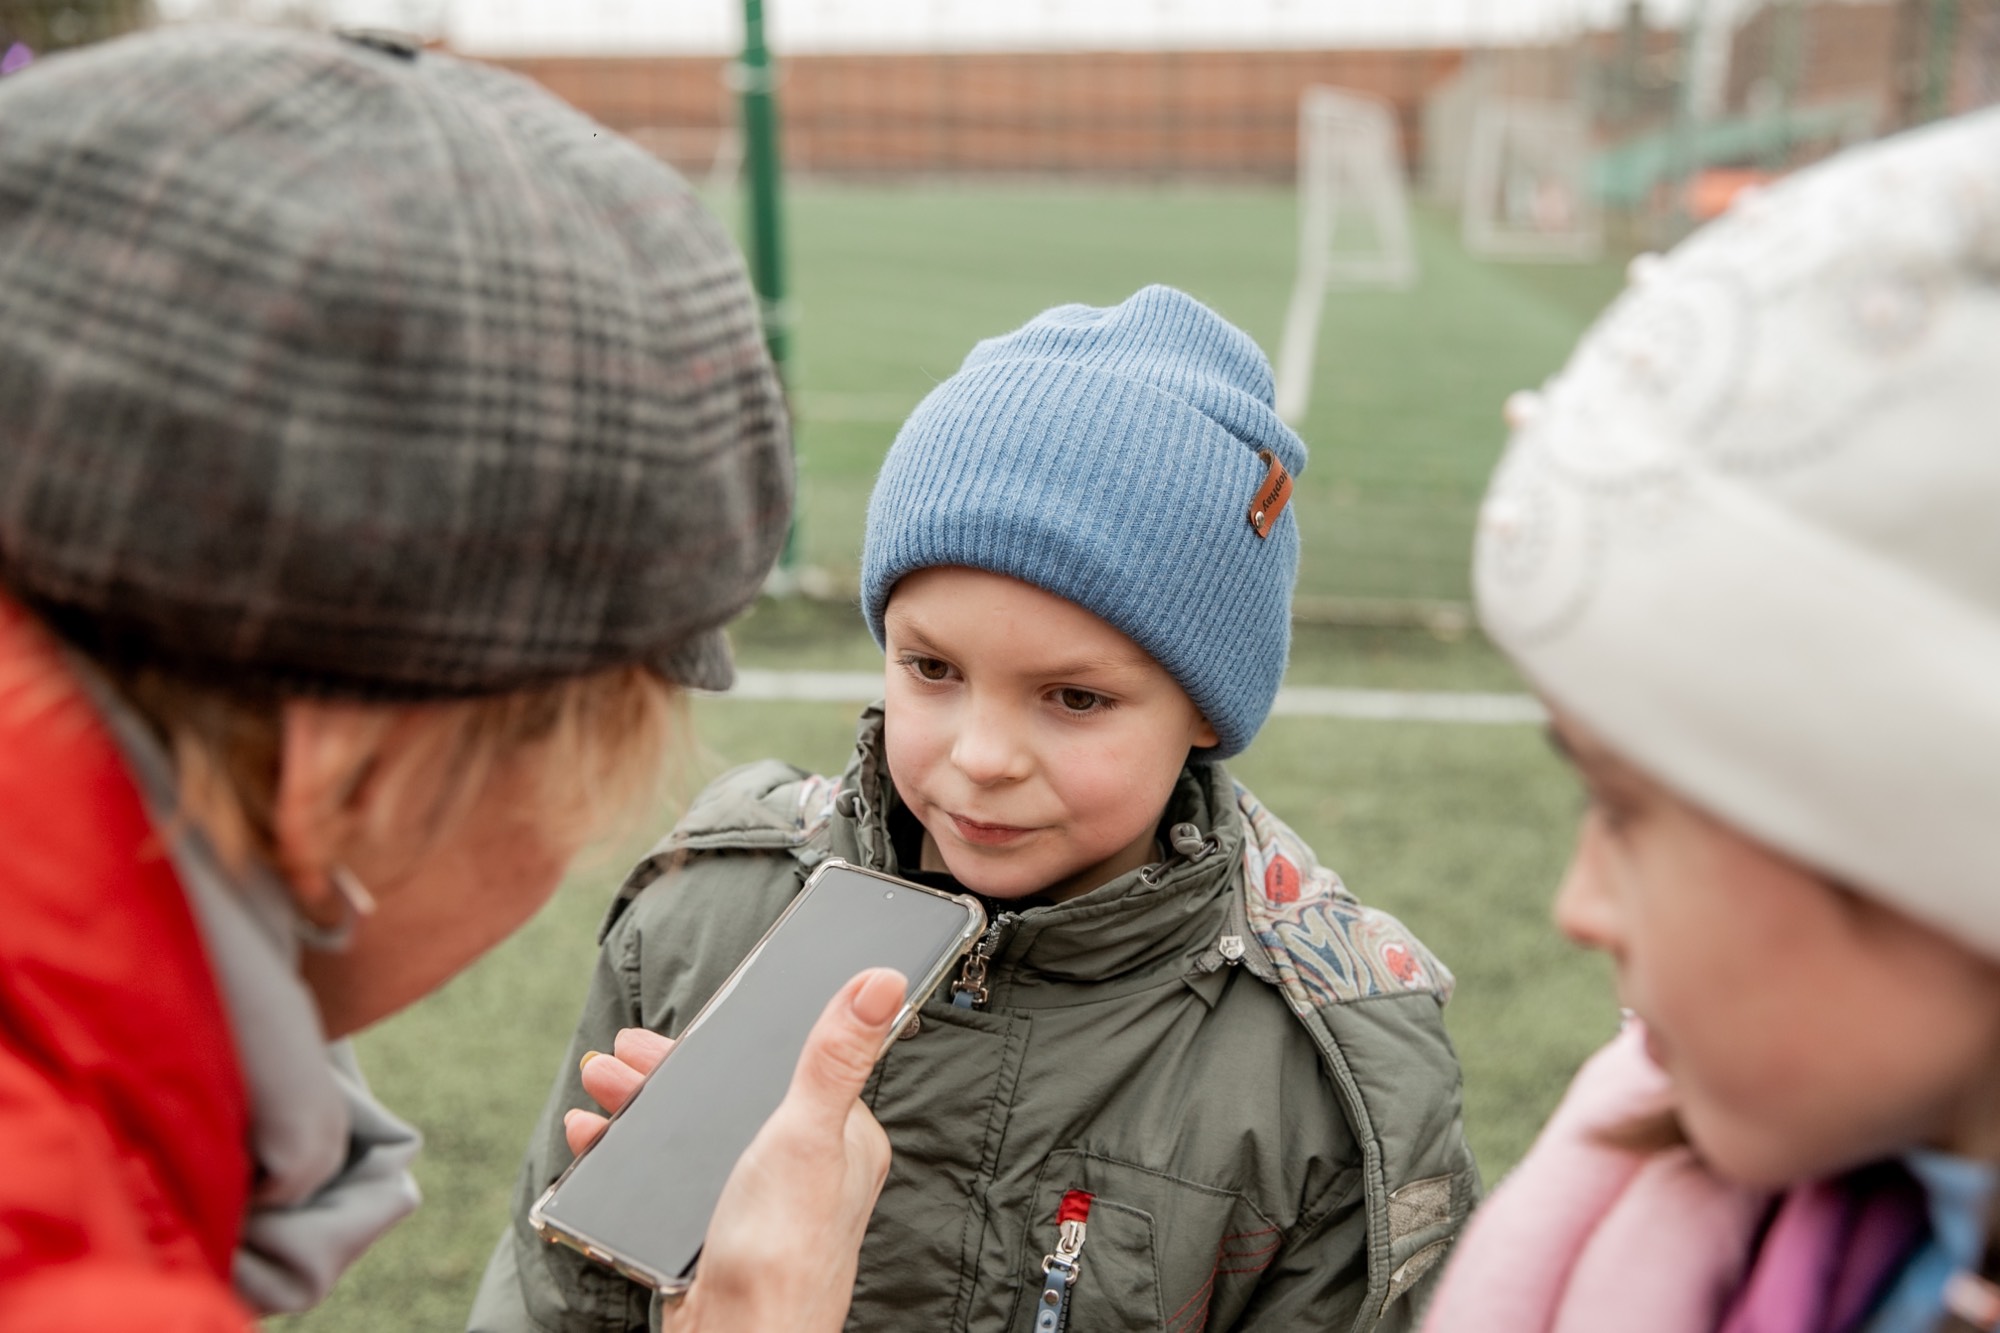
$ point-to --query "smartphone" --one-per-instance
(640, 1197)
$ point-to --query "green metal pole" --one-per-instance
(1938, 58)
(1788, 42)
(1788, 50)
(766, 213)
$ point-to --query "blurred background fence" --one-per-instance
(1758, 87)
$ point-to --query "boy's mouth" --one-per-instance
(987, 835)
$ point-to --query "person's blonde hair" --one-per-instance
(605, 739)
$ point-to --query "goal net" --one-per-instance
(1354, 222)
(1528, 191)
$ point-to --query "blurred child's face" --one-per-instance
(1805, 1028)
(1035, 743)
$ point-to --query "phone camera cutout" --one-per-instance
(889, 893)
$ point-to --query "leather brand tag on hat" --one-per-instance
(1272, 496)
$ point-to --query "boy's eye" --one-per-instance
(929, 668)
(1079, 701)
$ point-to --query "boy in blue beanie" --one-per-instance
(1185, 1081)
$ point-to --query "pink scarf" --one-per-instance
(1830, 1250)
(1584, 1237)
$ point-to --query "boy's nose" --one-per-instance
(987, 747)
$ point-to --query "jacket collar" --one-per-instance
(1141, 929)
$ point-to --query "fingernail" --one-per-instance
(878, 998)
(588, 1056)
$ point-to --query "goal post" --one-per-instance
(1528, 190)
(1354, 223)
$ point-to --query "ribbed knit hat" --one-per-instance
(1750, 536)
(1127, 459)
(343, 367)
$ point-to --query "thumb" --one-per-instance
(841, 1050)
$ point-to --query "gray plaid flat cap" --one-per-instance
(371, 372)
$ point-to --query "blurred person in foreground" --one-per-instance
(1185, 1078)
(1747, 546)
(382, 445)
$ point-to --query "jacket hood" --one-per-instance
(1142, 928)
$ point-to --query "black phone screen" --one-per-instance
(643, 1194)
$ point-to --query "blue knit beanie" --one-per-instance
(1124, 459)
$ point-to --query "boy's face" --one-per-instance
(1805, 1028)
(1035, 743)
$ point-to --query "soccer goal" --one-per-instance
(1528, 191)
(1354, 222)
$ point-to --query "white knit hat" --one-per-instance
(1751, 534)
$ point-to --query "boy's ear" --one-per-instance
(1204, 733)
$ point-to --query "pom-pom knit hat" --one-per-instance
(1751, 534)
(1128, 460)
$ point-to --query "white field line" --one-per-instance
(858, 687)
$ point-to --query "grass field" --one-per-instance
(1462, 831)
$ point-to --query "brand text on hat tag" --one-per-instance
(1272, 496)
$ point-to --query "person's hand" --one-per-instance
(786, 1235)
(612, 1079)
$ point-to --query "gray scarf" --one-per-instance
(332, 1163)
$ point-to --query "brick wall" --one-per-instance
(1152, 113)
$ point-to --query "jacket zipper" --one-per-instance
(969, 991)
(1060, 1269)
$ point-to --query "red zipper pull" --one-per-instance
(1060, 1268)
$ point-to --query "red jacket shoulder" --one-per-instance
(123, 1116)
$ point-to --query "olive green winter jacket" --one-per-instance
(1244, 1066)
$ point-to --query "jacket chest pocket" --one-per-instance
(1157, 1255)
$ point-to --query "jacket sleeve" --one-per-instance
(1406, 1076)
(76, 1250)
(106, 1296)
(665, 953)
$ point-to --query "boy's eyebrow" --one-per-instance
(1090, 666)
(915, 635)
